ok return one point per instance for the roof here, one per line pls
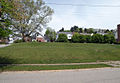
(65, 32)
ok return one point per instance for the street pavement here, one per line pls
(102, 75)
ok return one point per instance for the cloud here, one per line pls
(83, 16)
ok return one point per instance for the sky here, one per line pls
(84, 16)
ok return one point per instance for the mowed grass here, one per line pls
(53, 67)
(51, 53)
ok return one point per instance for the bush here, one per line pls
(106, 39)
(88, 38)
(18, 41)
(62, 38)
(75, 38)
(97, 38)
(82, 38)
(112, 39)
(109, 39)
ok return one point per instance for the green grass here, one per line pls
(61, 67)
(42, 53)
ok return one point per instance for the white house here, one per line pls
(69, 34)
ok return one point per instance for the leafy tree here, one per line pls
(62, 38)
(75, 38)
(107, 31)
(82, 38)
(51, 34)
(85, 30)
(6, 11)
(80, 30)
(74, 29)
(35, 16)
(9, 10)
(88, 38)
(90, 30)
(61, 30)
(4, 32)
(97, 38)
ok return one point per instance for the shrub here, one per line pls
(18, 41)
(112, 39)
(82, 38)
(75, 38)
(109, 39)
(88, 38)
(62, 38)
(97, 38)
(106, 39)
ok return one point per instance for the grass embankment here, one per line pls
(60, 67)
(52, 53)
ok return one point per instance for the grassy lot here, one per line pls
(61, 67)
(42, 53)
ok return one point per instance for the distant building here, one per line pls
(69, 34)
(40, 38)
(4, 40)
(118, 33)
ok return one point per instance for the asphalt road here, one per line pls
(107, 75)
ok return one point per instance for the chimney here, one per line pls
(118, 31)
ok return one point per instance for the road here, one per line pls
(104, 75)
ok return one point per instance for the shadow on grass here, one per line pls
(5, 62)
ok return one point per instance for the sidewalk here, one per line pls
(4, 45)
(112, 63)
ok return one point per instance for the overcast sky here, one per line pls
(85, 16)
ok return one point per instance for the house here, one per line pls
(40, 39)
(69, 34)
(4, 40)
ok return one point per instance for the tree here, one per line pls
(61, 30)
(7, 11)
(80, 30)
(75, 38)
(51, 34)
(90, 30)
(85, 30)
(4, 32)
(62, 38)
(107, 31)
(74, 29)
(35, 17)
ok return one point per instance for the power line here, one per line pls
(87, 5)
(89, 15)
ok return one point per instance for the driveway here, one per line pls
(4, 45)
(104, 75)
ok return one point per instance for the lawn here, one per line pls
(53, 67)
(48, 53)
